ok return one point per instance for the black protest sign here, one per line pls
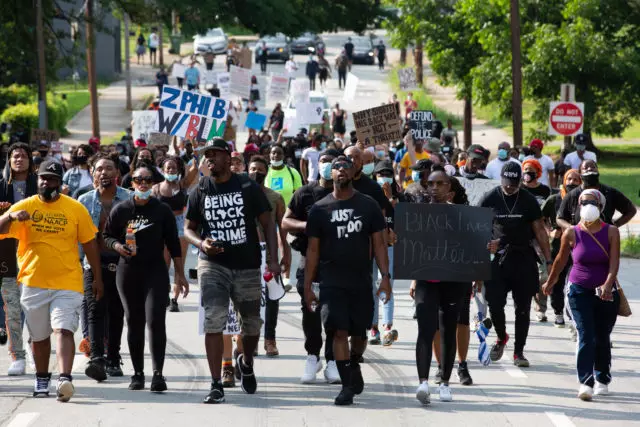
(442, 242)
(8, 266)
(421, 124)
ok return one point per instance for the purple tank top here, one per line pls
(590, 263)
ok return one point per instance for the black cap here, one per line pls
(511, 173)
(382, 166)
(422, 165)
(51, 168)
(581, 139)
(217, 144)
(476, 151)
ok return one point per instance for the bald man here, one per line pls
(368, 163)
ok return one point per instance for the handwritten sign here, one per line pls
(291, 125)
(178, 70)
(442, 242)
(421, 124)
(8, 265)
(38, 135)
(350, 87)
(309, 113)
(476, 188)
(144, 122)
(191, 115)
(255, 121)
(407, 78)
(378, 125)
(278, 87)
(299, 90)
(224, 81)
(240, 82)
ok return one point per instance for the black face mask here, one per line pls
(530, 176)
(43, 153)
(570, 188)
(81, 160)
(48, 193)
(145, 162)
(258, 177)
(591, 180)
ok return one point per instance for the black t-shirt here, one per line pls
(369, 187)
(348, 49)
(344, 228)
(514, 216)
(550, 209)
(301, 202)
(616, 201)
(227, 212)
(541, 193)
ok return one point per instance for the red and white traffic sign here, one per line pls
(566, 118)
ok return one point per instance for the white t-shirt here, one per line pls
(312, 155)
(290, 66)
(494, 168)
(573, 161)
(547, 166)
(153, 40)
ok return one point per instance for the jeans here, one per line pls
(594, 320)
(387, 309)
(14, 316)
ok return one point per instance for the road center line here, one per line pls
(24, 420)
(559, 419)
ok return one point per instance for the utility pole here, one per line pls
(91, 70)
(160, 46)
(42, 70)
(127, 58)
(516, 74)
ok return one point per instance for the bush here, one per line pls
(630, 246)
(15, 94)
(26, 115)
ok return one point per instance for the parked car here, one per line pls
(214, 39)
(314, 96)
(278, 47)
(306, 43)
(363, 50)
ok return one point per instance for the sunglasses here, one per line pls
(142, 179)
(342, 165)
(588, 202)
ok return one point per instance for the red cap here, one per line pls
(140, 143)
(236, 154)
(94, 142)
(536, 143)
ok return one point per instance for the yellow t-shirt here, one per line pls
(48, 242)
(405, 163)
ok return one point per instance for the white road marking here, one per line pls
(513, 371)
(24, 420)
(559, 419)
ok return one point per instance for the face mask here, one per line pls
(276, 163)
(415, 176)
(57, 156)
(325, 171)
(43, 153)
(171, 177)
(81, 160)
(503, 154)
(323, 146)
(368, 168)
(529, 176)
(589, 213)
(521, 158)
(570, 187)
(145, 162)
(382, 180)
(143, 195)
(258, 177)
(591, 179)
(48, 193)
(380, 154)
(580, 147)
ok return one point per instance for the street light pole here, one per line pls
(42, 70)
(516, 74)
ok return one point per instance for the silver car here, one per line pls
(215, 40)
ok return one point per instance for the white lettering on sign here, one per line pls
(225, 216)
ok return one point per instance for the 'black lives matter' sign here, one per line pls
(442, 242)
(421, 124)
(378, 125)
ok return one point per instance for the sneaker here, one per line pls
(85, 347)
(375, 337)
(137, 381)
(445, 393)
(463, 374)
(422, 394)
(114, 369)
(41, 385)
(331, 373)
(3, 336)
(520, 361)
(357, 382)
(541, 317)
(312, 366)
(158, 383)
(585, 392)
(559, 323)
(173, 306)
(345, 397)
(17, 367)
(96, 369)
(497, 350)
(437, 378)
(600, 389)
(573, 332)
(271, 348)
(388, 337)
(286, 283)
(228, 376)
(247, 377)
(216, 394)
(65, 389)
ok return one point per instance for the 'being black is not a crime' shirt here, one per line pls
(344, 228)
(301, 202)
(227, 212)
(514, 216)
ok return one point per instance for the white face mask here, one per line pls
(589, 213)
(276, 163)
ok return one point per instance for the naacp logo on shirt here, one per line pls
(349, 223)
(225, 215)
(138, 223)
(48, 222)
(277, 184)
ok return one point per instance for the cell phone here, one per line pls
(218, 244)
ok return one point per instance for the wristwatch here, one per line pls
(383, 275)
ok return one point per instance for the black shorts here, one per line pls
(347, 309)
(152, 49)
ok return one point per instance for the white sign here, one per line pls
(291, 126)
(240, 82)
(178, 70)
(278, 87)
(309, 112)
(476, 188)
(224, 81)
(210, 77)
(144, 123)
(350, 87)
(407, 78)
(300, 90)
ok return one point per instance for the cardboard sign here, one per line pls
(156, 139)
(278, 87)
(310, 113)
(144, 122)
(421, 124)
(8, 264)
(350, 87)
(476, 188)
(291, 125)
(191, 115)
(224, 81)
(299, 91)
(56, 146)
(407, 78)
(442, 242)
(255, 121)
(38, 135)
(378, 125)
(246, 58)
(178, 70)
(240, 82)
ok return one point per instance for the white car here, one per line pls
(314, 96)
(215, 40)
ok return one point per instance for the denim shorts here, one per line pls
(180, 224)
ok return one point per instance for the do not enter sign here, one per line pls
(566, 118)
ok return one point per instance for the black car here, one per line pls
(363, 50)
(278, 47)
(306, 43)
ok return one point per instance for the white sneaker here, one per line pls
(422, 394)
(331, 373)
(65, 389)
(17, 367)
(30, 359)
(600, 389)
(585, 392)
(311, 367)
(541, 317)
(445, 393)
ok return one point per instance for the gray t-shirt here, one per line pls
(19, 190)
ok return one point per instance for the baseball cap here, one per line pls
(422, 165)
(504, 146)
(511, 173)
(140, 143)
(476, 151)
(382, 166)
(217, 144)
(580, 139)
(536, 143)
(433, 144)
(50, 168)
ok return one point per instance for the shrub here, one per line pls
(631, 246)
(15, 94)
(26, 115)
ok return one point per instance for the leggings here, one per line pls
(143, 291)
(342, 78)
(433, 299)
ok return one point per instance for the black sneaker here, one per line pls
(158, 383)
(520, 361)
(463, 374)
(345, 397)
(3, 336)
(247, 378)
(114, 369)
(216, 395)
(438, 376)
(41, 385)
(173, 306)
(137, 381)
(96, 369)
(497, 350)
(357, 382)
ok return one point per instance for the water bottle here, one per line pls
(130, 241)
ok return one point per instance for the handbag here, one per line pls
(624, 309)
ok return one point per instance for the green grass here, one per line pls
(76, 101)
(630, 246)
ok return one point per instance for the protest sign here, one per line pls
(56, 146)
(144, 122)
(191, 115)
(255, 121)
(240, 82)
(378, 125)
(291, 125)
(8, 264)
(156, 139)
(38, 135)
(421, 124)
(309, 113)
(350, 87)
(407, 78)
(299, 90)
(178, 70)
(442, 242)
(245, 58)
(223, 81)
(210, 77)
(278, 87)
(476, 188)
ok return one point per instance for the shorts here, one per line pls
(192, 87)
(48, 309)
(153, 49)
(218, 285)
(347, 309)
(180, 225)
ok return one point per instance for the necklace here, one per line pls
(510, 211)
